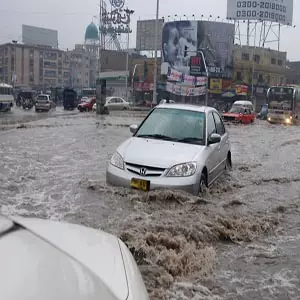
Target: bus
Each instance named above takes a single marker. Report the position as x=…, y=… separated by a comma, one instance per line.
x=88, y=92
x=6, y=97
x=283, y=104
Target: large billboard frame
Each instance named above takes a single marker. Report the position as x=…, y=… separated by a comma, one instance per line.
x=145, y=34
x=33, y=35
x=269, y=11
x=184, y=39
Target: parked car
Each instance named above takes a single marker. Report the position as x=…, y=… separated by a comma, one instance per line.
x=239, y=114
x=177, y=146
x=65, y=261
x=44, y=103
x=86, y=105
x=116, y=103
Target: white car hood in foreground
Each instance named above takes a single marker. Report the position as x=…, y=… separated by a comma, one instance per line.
x=158, y=153
x=98, y=251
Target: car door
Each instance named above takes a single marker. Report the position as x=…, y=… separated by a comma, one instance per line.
x=111, y=104
x=213, y=151
x=224, y=144
x=119, y=103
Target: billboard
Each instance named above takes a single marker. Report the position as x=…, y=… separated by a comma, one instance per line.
x=145, y=35
x=39, y=36
x=184, y=42
x=270, y=10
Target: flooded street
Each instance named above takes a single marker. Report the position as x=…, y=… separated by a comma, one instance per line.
x=240, y=241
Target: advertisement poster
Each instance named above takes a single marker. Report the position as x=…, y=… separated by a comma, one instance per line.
x=216, y=40
x=241, y=90
x=215, y=85
x=179, y=43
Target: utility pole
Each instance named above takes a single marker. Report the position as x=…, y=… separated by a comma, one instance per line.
x=98, y=84
x=127, y=65
x=154, y=100
x=14, y=76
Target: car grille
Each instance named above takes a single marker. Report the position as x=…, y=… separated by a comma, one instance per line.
x=150, y=171
x=229, y=118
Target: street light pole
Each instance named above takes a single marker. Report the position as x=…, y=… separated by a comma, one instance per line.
x=127, y=65
x=154, y=100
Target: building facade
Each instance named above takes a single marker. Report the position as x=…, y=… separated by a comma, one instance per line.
x=269, y=66
x=34, y=66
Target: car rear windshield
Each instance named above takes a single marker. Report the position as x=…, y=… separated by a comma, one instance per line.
x=42, y=98
x=173, y=124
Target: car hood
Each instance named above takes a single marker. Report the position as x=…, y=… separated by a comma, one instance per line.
x=157, y=153
x=95, y=250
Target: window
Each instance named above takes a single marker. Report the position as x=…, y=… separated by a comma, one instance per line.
x=239, y=76
x=280, y=62
x=211, y=126
x=257, y=58
x=245, y=56
x=219, y=124
x=273, y=61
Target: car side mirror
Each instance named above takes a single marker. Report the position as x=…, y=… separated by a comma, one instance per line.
x=214, y=139
x=133, y=128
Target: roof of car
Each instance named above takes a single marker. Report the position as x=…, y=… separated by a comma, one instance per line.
x=43, y=95
x=243, y=102
x=186, y=107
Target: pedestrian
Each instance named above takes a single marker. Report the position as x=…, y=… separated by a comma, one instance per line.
x=167, y=99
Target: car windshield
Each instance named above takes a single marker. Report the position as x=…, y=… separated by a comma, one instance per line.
x=178, y=125
x=236, y=109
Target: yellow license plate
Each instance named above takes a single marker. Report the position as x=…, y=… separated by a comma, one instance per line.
x=140, y=184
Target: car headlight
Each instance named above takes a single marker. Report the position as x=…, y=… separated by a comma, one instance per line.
x=117, y=160
x=183, y=170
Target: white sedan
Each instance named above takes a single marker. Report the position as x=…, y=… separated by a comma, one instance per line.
x=42, y=259
x=116, y=103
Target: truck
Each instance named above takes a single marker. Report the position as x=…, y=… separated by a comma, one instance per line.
x=69, y=99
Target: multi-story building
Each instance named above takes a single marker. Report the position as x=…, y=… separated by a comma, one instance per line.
x=269, y=65
x=293, y=72
x=34, y=66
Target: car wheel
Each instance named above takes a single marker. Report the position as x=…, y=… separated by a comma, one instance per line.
x=203, y=184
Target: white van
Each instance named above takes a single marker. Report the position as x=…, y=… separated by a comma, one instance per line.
x=244, y=103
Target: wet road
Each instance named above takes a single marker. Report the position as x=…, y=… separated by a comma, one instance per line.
x=239, y=242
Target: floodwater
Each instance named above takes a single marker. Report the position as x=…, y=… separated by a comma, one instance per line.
x=240, y=241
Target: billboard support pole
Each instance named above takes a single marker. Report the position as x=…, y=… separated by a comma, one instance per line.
x=253, y=66
x=154, y=100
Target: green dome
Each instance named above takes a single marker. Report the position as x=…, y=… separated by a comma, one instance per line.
x=91, y=32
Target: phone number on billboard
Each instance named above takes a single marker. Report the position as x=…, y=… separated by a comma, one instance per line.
x=261, y=9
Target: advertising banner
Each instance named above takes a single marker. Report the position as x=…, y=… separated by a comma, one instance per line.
x=179, y=43
x=201, y=81
x=215, y=85
x=270, y=10
x=216, y=41
x=241, y=90
x=185, y=90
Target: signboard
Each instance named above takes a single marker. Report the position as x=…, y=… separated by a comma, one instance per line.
x=185, y=90
x=182, y=39
x=145, y=34
x=197, y=66
x=241, y=90
x=39, y=36
x=215, y=85
x=270, y=10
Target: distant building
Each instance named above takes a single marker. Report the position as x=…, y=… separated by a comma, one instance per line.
x=293, y=72
x=270, y=66
x=34, y=66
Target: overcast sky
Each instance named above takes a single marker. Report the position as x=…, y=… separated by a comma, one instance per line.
x=70, y=18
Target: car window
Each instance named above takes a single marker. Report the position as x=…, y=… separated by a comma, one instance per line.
x=118, y=100
x=211, y=126
x=219, y=124
x=42, y=98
